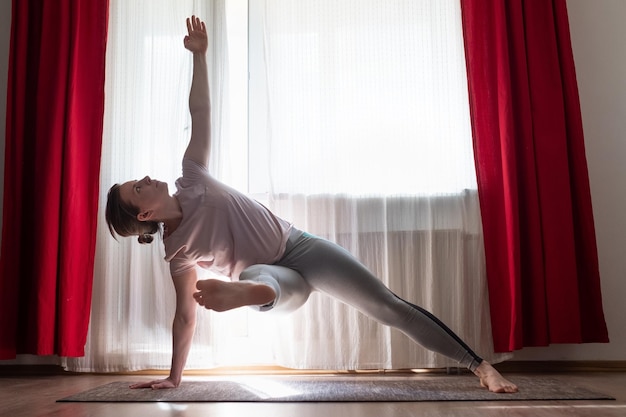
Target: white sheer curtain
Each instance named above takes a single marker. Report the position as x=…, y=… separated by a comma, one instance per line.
x=359, y=132
x=362, y=135
x=147, y=127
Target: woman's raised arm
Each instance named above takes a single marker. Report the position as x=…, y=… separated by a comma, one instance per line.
x=196, y=41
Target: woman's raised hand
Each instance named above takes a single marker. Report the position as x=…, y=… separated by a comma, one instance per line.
x=196, y=40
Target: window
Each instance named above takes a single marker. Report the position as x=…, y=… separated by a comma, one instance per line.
x=353, y=97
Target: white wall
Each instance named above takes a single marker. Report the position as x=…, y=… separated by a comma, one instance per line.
x=598, y=38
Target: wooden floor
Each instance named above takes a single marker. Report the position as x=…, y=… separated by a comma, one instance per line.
x=22, y=396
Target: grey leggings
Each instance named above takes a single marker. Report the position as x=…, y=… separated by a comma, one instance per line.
x=314, y=264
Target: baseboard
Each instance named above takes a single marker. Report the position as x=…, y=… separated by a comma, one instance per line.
x=561, y=366
x=30, y=370
x=506, y=367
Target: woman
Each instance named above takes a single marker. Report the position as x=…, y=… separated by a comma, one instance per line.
x=272, y=265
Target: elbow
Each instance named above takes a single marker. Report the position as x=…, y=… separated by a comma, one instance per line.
x=200, y=109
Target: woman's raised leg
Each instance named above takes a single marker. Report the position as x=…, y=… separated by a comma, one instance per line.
x=262, y=287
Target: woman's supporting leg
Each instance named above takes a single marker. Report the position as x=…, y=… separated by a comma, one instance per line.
x=331, y=269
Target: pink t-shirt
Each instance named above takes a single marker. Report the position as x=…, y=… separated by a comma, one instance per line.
x=222, y=229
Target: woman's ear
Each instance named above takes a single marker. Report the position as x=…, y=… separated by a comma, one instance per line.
x=145, y=216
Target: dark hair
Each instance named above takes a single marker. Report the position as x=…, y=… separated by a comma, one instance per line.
x=122, y=219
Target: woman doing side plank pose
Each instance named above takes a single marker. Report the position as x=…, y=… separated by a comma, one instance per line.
x=271, y=264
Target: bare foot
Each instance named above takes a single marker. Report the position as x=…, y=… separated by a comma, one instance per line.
x=219, y=295
x=491, y=379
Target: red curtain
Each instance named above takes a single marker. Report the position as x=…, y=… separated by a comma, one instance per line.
x=55, y=106
x=542, y=266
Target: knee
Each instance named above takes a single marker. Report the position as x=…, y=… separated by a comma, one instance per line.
x=292, y=290
x=252, y=273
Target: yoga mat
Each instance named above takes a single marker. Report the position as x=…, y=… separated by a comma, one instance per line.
x=337, y=389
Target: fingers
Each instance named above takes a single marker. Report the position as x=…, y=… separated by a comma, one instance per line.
x=141, y=385
x=198, y=297
x=198, y=24
x=195, y=24
x=158, y=384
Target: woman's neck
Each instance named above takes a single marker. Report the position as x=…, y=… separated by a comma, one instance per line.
x=173, y=217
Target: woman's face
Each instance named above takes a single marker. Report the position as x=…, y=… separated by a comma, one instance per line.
x=146, y=194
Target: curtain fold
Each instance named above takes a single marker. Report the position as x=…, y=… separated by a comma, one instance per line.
x=54, y=131
x=542, y=266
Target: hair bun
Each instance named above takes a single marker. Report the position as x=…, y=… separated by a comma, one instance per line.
x=145, y=238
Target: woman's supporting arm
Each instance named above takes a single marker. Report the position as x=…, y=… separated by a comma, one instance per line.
x=183, y=328
x=184, y=324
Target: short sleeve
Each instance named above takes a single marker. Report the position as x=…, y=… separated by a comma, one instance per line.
x=179, y=265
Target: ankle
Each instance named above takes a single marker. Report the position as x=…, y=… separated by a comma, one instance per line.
x=483, y=369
